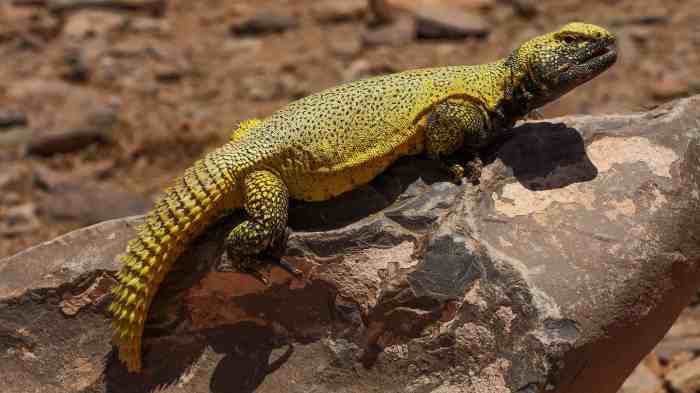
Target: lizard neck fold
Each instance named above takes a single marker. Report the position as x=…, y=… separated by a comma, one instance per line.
x=520, y=93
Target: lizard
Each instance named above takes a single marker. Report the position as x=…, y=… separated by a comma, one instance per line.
x=335, y=140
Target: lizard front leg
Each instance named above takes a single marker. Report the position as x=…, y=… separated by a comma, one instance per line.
x=451, y=125
x=266, y=203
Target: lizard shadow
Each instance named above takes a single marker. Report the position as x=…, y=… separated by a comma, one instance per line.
x=543, y=156
x=539, y=155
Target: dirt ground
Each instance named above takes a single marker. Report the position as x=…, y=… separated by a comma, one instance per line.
x=101, y=107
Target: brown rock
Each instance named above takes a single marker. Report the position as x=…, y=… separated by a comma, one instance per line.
x=339, y=10
x=441, y=22
x=156, y=7
x=686, y=378
x=91, y=23
x=669, y=86
x=399, y=32
x=89, y=202
x=13, y=177
x=557, y=273
x=69, y=117
x=264, y=22
x=96, y=128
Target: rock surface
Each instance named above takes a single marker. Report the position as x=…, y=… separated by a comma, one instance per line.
x=558, y=273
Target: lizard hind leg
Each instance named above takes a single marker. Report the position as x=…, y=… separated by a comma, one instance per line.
x=266, y=203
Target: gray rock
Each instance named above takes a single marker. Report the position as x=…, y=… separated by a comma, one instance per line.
x=558, y=273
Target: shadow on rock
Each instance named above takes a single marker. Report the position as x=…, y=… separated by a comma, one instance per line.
x=545, y=156
x=247, y=349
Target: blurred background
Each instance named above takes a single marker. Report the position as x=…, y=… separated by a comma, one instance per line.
x=104, y=102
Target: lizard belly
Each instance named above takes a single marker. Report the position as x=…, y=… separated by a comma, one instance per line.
x=323, y=183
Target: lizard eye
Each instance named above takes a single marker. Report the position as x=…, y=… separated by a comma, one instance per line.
x=569, y=39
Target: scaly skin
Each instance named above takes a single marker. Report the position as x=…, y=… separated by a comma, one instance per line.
x=328, y=143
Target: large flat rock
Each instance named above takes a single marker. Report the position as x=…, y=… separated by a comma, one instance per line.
x=558, y=272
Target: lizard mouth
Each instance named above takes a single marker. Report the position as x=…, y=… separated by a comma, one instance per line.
x=604, y=53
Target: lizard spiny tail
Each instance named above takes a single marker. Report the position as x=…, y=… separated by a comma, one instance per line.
x=195, y=200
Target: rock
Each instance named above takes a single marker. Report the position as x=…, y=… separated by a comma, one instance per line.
x=18, y=220
x=578, y=244
x=13, y=177
x=434, y=21
x=362, y=68
x=155, y=7
x=69, y=117
x=51, y=180
x=169, y=73
x=333, y=11
x=80, y=196
x=90, y=202
x=161, y=27
x=91, y=23
x=347, y=47
x=12, y=118
x=399, y=32
x=96, y=129
x=524, y=8
x=642, y=380
x=685, y=379
x=669, y=86
x=260, y=88
x=264, y=22
x=75, y=66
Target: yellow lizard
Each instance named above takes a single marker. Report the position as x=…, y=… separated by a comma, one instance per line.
x=333, y=141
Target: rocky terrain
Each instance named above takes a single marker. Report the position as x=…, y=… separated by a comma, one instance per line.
x=102, y=102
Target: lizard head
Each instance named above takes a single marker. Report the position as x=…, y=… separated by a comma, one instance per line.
x=557, y=62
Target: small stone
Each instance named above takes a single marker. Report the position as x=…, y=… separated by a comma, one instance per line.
x=168, y=73
x=91, y=202
x=448, y=23
x=155, y=7
x=12, y=118
x=95, y=128
x=264, y=22
x=12, y=176
x=399, y=32
x=91, y=23
x=339, y=10
x=686, y=378
x=362, y=68
x=149, y=25
x=669, y=86
x=347, y=47
x=75, y=67
x=524, y=8
x=262, y=89
x=52, y=180
x=17, y=220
